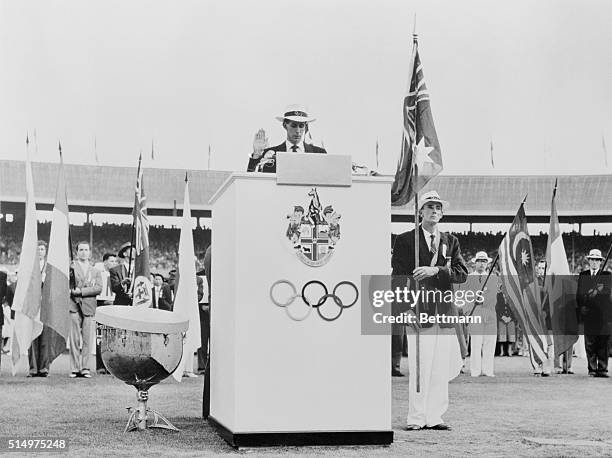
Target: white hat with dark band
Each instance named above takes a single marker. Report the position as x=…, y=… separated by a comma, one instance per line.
x=297, y=113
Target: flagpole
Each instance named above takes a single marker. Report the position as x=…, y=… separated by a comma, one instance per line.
x=417, y=235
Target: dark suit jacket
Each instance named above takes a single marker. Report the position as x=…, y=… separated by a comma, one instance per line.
x=593, y=298
x=271, y=168
x=3, y=291
x=164, y=302
x=117, y=274
x=452, y=270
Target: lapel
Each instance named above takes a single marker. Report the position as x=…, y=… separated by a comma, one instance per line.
x=80, y=273
x=282, y=148
x=424, y=256
x=308, y=148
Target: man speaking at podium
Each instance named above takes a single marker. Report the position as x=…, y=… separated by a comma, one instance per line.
x=295, y=121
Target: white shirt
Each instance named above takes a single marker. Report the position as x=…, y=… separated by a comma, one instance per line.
x=289, y=145
x=428, y=235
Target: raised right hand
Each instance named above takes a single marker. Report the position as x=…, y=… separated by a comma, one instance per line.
x=260, y=143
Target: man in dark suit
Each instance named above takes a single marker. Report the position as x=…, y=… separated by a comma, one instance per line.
x=161, y=294
x=593, y=298
x=120, y=283
x=3, y=289
x=295, y=121
x=440, y=264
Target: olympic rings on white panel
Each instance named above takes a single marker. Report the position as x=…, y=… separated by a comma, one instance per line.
x=316, y=304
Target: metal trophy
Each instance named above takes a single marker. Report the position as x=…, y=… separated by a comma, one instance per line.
x=141, y=346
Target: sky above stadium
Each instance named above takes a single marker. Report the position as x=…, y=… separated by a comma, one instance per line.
x=109, y=78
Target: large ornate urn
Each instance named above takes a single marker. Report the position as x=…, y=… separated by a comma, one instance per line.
x=141, y=346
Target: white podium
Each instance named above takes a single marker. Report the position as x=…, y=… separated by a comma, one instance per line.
x=275, y=380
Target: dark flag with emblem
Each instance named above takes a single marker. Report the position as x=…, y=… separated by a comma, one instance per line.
x=520, y=286
x=142, y=280
x=420, y=145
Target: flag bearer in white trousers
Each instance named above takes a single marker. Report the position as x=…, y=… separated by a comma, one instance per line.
x=440, y=264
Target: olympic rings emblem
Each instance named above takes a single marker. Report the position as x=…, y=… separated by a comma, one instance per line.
x=316, y=304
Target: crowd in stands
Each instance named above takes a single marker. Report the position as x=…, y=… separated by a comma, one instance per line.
x=107, y=238
x=163, y=243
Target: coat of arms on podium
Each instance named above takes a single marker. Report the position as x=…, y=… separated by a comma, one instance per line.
x=314, y=233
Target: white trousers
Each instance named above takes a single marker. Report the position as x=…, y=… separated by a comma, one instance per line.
x=482, y=354
x=440, y=362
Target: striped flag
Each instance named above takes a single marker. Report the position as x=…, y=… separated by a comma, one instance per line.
x=186, y=297
x=560, y=287
x=420, y=145
x=55, y=312
x=26, y=303
x=142, y=276
x=520, y=286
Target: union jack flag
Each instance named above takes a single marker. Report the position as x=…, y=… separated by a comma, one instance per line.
x=420, y=145
x=141, y=227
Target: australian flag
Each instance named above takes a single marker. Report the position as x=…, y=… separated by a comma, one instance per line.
x=421, y=157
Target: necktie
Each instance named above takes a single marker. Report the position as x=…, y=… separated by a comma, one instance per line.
x=294, y=148
x=432, y=247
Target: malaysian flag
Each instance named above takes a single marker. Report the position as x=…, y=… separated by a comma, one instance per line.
x=520, y=285
x=421, y=157
x=142, y=281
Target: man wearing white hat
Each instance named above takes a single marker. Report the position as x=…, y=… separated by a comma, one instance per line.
x=483, y=334
x=295, y=121
x=440, y=264
x=593, y=297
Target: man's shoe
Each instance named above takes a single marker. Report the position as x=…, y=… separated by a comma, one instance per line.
x=190, y=375
x=601, y=375
x=31, y=375
x=569, y=371
x=396, y=373
x=85, y=373
x=73, y=375
x=42, y=374
x=592, y=374
x=440, y=427
x=413, y=428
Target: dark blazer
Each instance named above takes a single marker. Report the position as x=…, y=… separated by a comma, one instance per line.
x=164, y=302
x=3, y=291
x=271, y=168
x=593, y=298
x=452, y=270
x=90, y=283
x=117, y=275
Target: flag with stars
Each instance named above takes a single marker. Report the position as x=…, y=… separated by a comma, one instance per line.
x=142, y=281
x=520, y=286
x=421, y=157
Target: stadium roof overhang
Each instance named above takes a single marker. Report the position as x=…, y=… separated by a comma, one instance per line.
x=473, y=198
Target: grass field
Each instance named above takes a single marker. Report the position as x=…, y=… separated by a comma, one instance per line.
x=490, y=416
